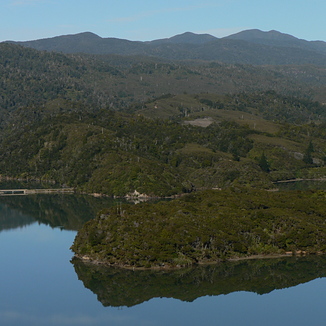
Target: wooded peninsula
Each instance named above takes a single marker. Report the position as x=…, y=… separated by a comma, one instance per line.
x=205, y=227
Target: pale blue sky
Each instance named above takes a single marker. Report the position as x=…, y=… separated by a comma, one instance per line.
x=146, y=20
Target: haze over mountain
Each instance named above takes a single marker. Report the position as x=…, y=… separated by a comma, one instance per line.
x=247, y=47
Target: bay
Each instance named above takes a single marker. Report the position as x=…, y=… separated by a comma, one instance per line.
x=42, y=285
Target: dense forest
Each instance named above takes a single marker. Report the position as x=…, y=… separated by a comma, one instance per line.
x=116, y=153
x=31, y=78
x=207, y=226
x=113, y=124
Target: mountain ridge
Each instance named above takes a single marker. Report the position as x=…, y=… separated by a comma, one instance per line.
x=277, y=39
x=247, y=47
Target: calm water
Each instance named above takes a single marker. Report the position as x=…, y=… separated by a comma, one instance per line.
x=40, y=285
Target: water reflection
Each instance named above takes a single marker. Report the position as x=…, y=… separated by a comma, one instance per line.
x=10, y=219
x=120, y=287
x=68, y=212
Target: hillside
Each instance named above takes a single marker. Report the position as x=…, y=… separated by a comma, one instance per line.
x=32, y=78
x=115, y=124
x=163, y=148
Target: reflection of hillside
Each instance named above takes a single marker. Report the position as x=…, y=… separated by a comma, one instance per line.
x=12, y=219
x=120, y=287
x=67, y=211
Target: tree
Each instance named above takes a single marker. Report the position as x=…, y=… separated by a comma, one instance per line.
x=263, y=163
x=307, y=157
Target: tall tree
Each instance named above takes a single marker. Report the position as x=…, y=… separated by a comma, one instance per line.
x=263, y=163
x=307, y=157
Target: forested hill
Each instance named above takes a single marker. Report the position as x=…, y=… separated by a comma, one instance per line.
x=32, y=78
x=194, y=142
x=248, y=47
x=115, y=124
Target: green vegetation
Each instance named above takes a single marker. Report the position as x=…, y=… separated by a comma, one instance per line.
x=206, y=226
x=64, y=120
x=116, y=153
x=263, y=163
x=32, y=78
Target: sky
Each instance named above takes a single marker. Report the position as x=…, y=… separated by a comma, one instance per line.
x=146, y=20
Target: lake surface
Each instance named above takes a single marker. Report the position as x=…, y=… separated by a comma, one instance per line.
x=42, y=285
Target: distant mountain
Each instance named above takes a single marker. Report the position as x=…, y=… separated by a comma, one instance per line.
x=186, y=38
x=248, y=47
x=275, y=38
x=268, y=38
x=86, y=43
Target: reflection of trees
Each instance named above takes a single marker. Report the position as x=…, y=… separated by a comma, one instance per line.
x=121, y=287
x=67, y=211
x=12, y=219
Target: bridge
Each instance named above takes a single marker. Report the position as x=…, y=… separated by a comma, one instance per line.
x=11, y=192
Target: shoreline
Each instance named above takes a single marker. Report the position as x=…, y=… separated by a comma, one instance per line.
x=136, y=196
x=299, y=253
